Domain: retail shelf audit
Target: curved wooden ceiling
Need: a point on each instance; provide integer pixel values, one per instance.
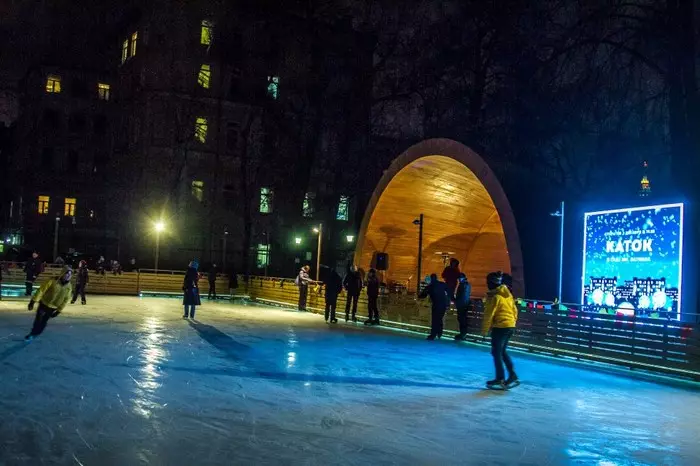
(459, 217)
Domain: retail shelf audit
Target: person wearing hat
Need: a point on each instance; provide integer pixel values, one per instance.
(500, 317)
(52, 297)
(81, 281)
(190, 287)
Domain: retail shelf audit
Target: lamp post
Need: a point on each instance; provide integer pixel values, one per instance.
(319, 230)
(560, 213)
(223, 262)
(419, 222)
(55, 238)
(159, 226)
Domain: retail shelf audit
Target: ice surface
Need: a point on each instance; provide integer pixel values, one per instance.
(127, 381)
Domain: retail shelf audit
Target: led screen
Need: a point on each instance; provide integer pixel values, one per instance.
(632, 261)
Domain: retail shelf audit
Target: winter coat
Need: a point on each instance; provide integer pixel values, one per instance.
(303, 278)
(372, 286)
(334, 286)
(500, 310)
(233, 281)
(451, 277)
(32, 269)
(212, 275)
(191, 288)
(353, 283)
(54, 294)
(82, 277)
(463, 295)
(439, 295)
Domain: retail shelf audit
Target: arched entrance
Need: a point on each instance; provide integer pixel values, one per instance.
(465, 212)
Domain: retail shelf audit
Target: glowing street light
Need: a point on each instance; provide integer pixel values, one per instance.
(159, 227)
(350, 238)
(297, 240)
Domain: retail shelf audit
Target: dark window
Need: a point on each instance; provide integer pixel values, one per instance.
(100, 125)
(47, 158)
(78, 88)
(229, 195)
(76, 122)
(73, 161)
(52, 118)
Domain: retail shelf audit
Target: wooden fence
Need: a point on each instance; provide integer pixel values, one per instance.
(657, 345)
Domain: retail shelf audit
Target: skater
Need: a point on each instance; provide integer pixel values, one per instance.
(100, 266)
(81, 281)
(451, 275)
(191, 290)
(440, 301)
(462, 302)
(232, 281)
(302, 281)
(334, 285)
(500, 317)
(32, 269)
(353, 285)
(211, 278)
(52, 297)
(372, 298)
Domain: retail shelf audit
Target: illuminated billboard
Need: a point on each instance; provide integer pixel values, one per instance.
(633, 261)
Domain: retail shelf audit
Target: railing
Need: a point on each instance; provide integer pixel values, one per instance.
(658, 345)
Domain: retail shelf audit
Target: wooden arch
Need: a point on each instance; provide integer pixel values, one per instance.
(465, 212)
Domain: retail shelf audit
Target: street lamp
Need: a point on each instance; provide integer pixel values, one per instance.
(55, 237)
(319, 231)
(419, 223)
(225, 244)
(297, 240)
(350, 238)
(560, 213)
(159, 226)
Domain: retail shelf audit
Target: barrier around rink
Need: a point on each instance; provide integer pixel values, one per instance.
(656, 345)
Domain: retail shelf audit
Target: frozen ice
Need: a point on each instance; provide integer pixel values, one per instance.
(128, 381)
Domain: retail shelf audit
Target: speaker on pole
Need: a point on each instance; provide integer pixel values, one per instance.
(382, 261)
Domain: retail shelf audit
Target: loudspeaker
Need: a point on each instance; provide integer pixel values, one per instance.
(382, 261)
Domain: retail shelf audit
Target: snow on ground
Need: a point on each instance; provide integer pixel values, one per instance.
(127, 381)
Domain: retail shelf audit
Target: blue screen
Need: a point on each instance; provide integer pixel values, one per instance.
(632, 261)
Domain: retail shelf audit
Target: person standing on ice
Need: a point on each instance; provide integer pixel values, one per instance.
(190, 287)
(52, 297)
(302, 281)
(372, 298)
(334, 285)
(451, 275)
(32, 270)
(81, 282)
(440, 298)
(500, 318)
(462, 301)
(353, 285)
(211, 278)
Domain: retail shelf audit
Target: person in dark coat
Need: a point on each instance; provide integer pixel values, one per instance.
(232, 281)
(334, 285)
(190, 287)
(211, 278)
(353, 285)
(302, 281)
(451, 275)
(81, 280)
(32, 269)
(372, 298)
(462, 302)
(440, 301)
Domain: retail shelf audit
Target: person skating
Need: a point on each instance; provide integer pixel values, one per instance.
(52, 297)
(211, 278)
(440, 300)
(451, 276)
(32, 269)
(500, 318)
(302, 281)
(353, 285)
(372, 298)
(462, 302)
(81, 280)
(232, 281)
(334, 285)
(190, 287)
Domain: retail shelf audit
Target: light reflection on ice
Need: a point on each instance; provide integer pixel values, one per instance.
(152, 354)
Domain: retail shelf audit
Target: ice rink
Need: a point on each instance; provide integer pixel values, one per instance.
(128, 381)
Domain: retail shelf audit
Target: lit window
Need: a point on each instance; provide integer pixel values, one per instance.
(201, 127)
(198, 190)
(125, 50)
(103, 91)
(134, 39)
(266, 195)
(273, 85)
(53, 84)
(43, 205)
(204, 77)
(308, 205)
(207, 32)
(69, 207)
(263, 258)
(343, 208)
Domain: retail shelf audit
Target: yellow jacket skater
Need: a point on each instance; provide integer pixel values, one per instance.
(500, 318)
(52, 297)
